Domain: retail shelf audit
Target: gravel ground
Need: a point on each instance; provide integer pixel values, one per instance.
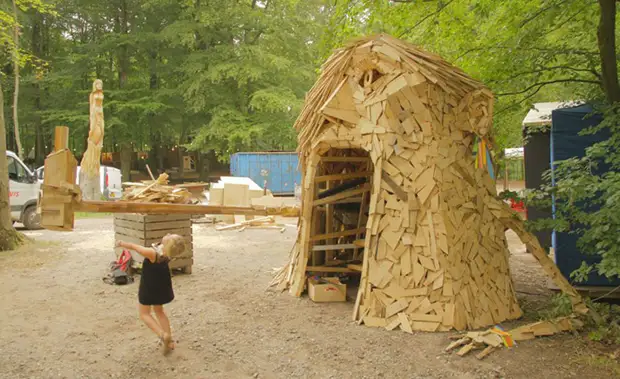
(59, 320)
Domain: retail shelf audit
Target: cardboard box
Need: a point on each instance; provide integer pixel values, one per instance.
(322, 292)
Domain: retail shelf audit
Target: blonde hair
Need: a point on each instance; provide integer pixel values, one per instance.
(174, 246)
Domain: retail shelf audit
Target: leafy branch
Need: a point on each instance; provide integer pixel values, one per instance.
(545, 69)
(539, 85)
(440, 8)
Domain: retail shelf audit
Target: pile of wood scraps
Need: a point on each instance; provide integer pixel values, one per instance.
(156, 191)
(496, 338)
(268, 222)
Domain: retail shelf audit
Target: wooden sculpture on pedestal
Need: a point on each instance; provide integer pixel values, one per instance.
(389, 179)
(89, 171)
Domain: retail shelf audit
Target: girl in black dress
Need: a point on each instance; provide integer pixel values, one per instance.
(156, 284)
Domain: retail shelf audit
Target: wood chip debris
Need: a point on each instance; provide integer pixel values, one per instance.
(495, 338)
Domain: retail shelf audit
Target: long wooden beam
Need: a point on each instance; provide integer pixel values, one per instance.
(161, 208)
(333, 247)
(345, 159)
(325, 178)
(341, 195)
(329, 269)
(344, 233)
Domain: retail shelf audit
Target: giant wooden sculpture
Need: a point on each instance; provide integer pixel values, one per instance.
(89, 172)
(391, 128)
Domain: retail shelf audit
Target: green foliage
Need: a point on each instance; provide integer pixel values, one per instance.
(173, 72)
(526, 51)
(588, 199)
(608, 330)
(560, 306)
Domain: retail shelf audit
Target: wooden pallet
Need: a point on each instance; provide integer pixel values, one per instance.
(145, 230)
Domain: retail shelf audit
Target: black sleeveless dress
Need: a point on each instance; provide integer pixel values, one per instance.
(155, 283)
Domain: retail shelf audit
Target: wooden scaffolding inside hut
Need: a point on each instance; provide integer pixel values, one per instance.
(390, 189)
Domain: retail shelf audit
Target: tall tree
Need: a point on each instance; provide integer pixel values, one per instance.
(16, 64)
(9, 237)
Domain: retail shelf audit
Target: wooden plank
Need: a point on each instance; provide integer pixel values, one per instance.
(151, 218)
(140, 234)
(345, 233)
(342, 195)
(185, 232)
(161, 208)
(153, 226)
(354, 175)
(333, 247)
(355, 267)
(248, 222)
(329, 269)
(398, 190)
(344, 159)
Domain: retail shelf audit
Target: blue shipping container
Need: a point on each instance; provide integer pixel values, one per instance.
(279, 169)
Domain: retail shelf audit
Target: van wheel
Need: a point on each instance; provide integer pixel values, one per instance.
(31, 219)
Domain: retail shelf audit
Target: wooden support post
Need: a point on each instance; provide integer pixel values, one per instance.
(61, 138)
(60, 170)
(329, 218)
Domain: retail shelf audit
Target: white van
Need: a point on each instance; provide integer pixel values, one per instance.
(109, 180)
(23, 192)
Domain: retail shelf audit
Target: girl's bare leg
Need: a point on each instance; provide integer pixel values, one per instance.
(145, 316)
(165, 324)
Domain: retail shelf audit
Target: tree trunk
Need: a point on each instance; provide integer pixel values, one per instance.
(18, 142)
(607, 49)
(123, 68)
(9, 238)
(202, 166)
(37, 50)
(181, 163)
(126, 151)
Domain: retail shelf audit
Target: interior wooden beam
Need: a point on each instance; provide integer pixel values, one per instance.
(355, 267)
(342, 187)
(342, 195)
(333, 247)
(344, 233)
(325, 178)
(329, 269)
(345, 159)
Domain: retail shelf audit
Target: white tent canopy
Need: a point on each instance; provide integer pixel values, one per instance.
(516, 152)
(540, 114)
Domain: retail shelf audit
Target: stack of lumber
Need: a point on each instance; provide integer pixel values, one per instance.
(493, 339)
(234, 191)
(435, 256)
(156, 191)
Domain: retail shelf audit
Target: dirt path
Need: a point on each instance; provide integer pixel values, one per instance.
(58, 319)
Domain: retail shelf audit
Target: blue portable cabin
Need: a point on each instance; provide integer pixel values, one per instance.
(566, 142)
(279, 169)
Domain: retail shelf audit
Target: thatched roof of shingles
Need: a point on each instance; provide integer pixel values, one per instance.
(365, 53)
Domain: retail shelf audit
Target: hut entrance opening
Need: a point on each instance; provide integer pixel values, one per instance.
(339, 215)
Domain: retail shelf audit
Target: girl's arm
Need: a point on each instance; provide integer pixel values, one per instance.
(146, 252)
